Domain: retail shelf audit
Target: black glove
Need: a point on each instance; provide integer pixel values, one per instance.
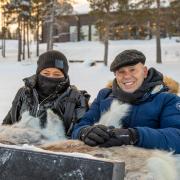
(121, 137)
(94, 135)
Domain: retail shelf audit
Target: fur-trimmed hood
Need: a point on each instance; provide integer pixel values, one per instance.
(174, 86)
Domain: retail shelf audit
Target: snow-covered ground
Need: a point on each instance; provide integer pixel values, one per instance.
(84, 77)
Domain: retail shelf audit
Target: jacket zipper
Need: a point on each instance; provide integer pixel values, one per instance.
(37, 110)
(39, 104)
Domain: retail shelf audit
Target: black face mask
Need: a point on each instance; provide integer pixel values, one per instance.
(47, 86)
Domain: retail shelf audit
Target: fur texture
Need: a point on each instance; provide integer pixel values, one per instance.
(29, 131)
(173, 85)
(140, 164)
(116, 112)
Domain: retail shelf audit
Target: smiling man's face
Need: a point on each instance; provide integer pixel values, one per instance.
(130, 78)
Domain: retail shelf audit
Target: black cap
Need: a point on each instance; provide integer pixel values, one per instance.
(52, 59)
(126, 58)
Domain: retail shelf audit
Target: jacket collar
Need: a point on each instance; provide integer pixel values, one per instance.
(30, 82)
(155, 91)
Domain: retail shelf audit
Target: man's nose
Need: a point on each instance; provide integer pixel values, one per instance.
(127, 74)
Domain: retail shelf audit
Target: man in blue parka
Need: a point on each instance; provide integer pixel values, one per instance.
(154, 118)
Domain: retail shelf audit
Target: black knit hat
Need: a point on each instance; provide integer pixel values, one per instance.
(127, 57)
(52, 59)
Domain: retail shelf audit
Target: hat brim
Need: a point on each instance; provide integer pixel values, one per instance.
(129, 63)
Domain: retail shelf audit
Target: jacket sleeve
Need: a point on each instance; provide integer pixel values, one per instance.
(89, 118)
(82, 105)
(13, 114)
(7, 119)
(167, 137)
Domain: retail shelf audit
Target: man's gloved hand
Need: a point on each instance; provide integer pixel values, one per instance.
(94, 135)
(120, 136)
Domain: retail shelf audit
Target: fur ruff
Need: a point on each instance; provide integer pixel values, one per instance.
(174, 86)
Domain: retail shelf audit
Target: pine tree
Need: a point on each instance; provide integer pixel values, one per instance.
(107, 13)
(175, 17)
(30, 15)
(19, 12)
(152, 8)
(4, 27)
(36, 21)
(51, 10)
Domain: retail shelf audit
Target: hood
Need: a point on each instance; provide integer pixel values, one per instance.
(173, 85)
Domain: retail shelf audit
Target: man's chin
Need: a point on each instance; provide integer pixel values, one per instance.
(129, 90)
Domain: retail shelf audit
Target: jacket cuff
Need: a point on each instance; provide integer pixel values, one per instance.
(134, 136)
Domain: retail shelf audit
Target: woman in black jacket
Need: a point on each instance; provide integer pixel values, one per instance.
(49, 88)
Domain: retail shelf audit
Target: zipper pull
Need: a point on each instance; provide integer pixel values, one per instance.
(37, 110)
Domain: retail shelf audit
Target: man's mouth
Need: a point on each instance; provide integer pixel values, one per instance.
(128, 83)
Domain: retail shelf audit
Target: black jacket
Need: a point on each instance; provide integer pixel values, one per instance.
(27, 99)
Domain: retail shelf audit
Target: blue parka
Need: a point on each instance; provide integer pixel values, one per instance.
(156, 118)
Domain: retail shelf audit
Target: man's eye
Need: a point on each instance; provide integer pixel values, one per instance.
(120, 72)
(132, 70)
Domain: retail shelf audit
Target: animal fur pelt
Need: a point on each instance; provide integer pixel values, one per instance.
(140, 164)
(29, 131)
(116, 112)
(173, 85)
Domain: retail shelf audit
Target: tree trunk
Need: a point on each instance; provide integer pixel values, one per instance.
(3, 37)
(4, 47)
(19, 40)
(51, 28)
(90, 33)
(158, 40)
(106, 47)
(78, 29)
(37, 32)
(37, 36)
(4, 43)
(158, 49)
(28, 48)
(24, 39)
(106, 44)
